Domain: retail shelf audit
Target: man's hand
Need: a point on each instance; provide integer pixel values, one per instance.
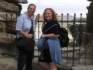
(30, 35)
(26, 34)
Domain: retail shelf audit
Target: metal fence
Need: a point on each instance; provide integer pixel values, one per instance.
(76, 52)
(73, 54)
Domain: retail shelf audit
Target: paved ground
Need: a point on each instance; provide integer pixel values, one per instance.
(8, 63)
(83, 67)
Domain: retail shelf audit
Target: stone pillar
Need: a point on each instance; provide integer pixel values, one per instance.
(90, 18)
(89, 35)
(22, 1)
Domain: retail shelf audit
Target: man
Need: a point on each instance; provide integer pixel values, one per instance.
(24, 28)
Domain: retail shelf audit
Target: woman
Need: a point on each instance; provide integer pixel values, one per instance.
(51, 54)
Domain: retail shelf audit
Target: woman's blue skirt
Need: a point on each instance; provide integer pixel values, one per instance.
(55, 51)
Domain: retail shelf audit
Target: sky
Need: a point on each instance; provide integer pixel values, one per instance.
(60, 6)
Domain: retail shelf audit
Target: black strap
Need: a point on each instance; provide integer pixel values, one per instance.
(31, 29)
(50, 27)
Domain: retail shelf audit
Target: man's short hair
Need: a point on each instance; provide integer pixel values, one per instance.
(31, 5)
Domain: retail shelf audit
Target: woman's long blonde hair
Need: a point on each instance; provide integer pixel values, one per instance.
(54, 17)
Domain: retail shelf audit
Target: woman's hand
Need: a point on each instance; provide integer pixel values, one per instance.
(43, 35)
(52, 35)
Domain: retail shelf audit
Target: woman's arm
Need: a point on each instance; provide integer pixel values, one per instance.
(52, 35)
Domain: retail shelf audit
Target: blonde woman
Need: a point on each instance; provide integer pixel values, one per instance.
(51, 54)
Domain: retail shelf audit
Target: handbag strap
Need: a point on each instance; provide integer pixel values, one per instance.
(50, 27)
(31, 29)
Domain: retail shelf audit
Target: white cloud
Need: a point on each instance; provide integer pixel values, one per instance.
(61, 6)
(58, 2)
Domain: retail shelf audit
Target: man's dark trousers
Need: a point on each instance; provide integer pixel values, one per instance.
(25, 56)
